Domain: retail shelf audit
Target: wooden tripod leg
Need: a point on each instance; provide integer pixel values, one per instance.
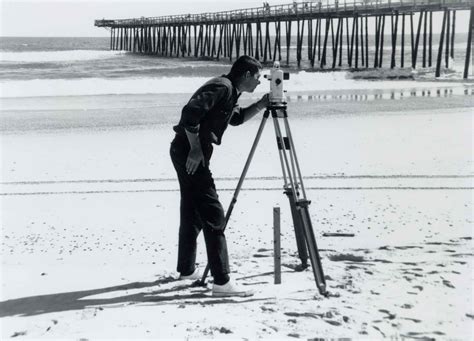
(312, 247)
(299, 206)
(299, 233)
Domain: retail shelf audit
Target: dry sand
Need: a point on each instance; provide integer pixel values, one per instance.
(90, 216)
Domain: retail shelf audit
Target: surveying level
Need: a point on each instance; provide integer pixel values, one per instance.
(276, 78)
(293, 188)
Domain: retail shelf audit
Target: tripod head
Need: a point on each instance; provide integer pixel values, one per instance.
(276, 78)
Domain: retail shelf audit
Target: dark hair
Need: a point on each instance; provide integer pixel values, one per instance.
(244, 64)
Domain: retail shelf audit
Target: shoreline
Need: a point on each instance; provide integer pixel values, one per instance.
(143, 111)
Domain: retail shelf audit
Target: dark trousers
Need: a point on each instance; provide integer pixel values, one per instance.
(200, 210)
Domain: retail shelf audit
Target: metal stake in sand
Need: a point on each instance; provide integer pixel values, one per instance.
(276, 245)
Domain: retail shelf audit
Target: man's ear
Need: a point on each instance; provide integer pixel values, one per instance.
(247, 74)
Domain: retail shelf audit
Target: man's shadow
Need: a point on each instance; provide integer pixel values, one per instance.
(44, 304)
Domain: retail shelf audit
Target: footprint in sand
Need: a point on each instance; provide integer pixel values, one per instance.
(295, 335)
(295, 314)
(271, 310)
(257, 255)
(411, 319)
(346, 257)
(461, 255)
(332, 322)
(16, 334)
(441, 243)
(389, 315)
(448, 283)
(422, 335)
(407, 247)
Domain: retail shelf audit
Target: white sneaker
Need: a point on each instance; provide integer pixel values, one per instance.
(194, 276)
(230, 289)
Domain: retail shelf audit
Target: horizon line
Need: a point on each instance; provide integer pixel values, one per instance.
(1, 36)
(108, 36)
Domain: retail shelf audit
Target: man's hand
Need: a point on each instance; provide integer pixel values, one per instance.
(256, 107)
(195, 155)
(195, 158)
(264, 101)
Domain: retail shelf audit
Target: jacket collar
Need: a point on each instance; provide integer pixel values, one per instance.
(235, 92)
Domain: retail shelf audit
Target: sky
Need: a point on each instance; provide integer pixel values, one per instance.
(75, 18)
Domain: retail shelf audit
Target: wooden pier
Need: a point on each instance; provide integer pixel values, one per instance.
(335, 35)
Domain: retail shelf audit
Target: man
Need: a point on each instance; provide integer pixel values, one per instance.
(203, 121)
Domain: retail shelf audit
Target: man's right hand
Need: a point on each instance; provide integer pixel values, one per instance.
(195, 158)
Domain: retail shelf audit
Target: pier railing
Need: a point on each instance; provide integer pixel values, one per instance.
(289, 11)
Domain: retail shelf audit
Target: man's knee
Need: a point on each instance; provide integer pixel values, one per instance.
(216, 221)
(211, 211)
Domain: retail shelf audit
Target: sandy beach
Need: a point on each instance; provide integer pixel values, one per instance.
(90, 212)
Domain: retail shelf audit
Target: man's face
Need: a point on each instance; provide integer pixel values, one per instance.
(250, 82)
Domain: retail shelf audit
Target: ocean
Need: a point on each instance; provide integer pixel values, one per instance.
(32, 67)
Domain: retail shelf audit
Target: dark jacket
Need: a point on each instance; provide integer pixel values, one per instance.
(210, 110)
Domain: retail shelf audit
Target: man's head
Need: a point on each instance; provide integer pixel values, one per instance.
(245, 73)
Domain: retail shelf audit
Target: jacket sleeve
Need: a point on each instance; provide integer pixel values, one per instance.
(237, 116)
(206, 98)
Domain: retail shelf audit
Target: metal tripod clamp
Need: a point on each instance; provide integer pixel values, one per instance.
(275, 108)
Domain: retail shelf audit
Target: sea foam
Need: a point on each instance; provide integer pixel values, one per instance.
(58, 56)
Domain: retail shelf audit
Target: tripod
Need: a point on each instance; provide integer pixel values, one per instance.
(293, 188)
